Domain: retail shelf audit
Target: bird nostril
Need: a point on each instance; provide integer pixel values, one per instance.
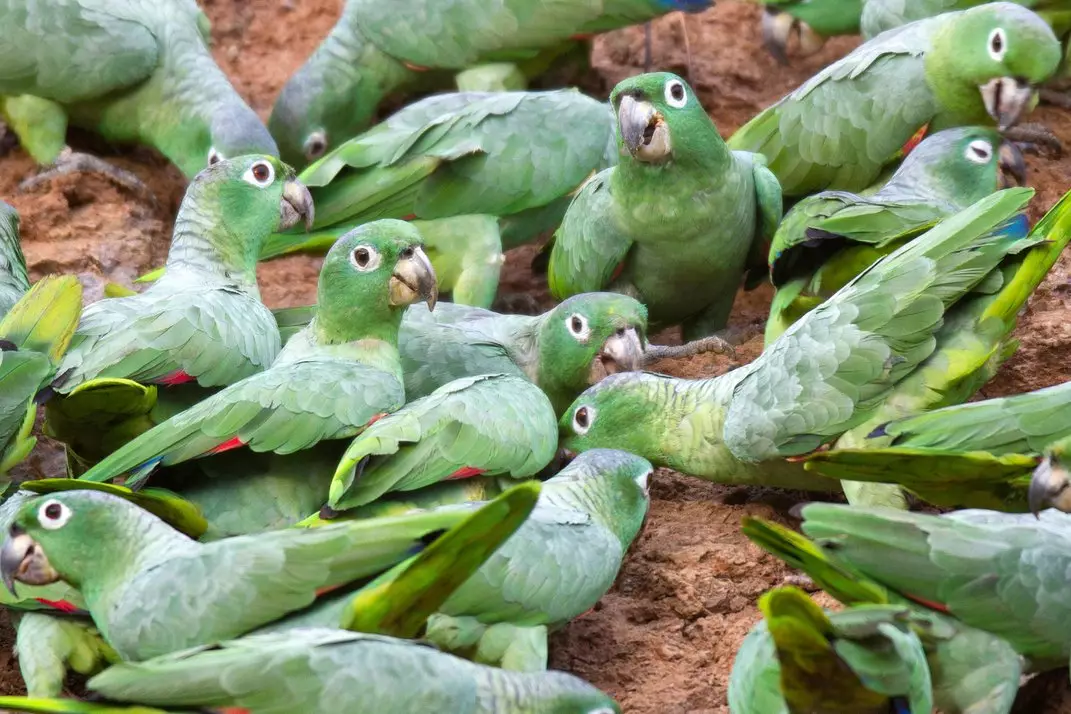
(620, 332)
(407, 253)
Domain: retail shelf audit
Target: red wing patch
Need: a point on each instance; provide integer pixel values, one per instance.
(410, 217)
(928, 603)
(617, 271)
(61, 605)
(234, 443)
(176, 377)
(415, 67)
(915, 140)
(465, 472)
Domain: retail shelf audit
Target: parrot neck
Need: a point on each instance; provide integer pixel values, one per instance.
(959, 102)
(599, 498)
(206, 245)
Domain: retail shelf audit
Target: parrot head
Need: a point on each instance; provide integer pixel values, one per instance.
(234, 130)
(659, 118)
(370, 276)
(999, 50)
(588, 337)
(60, 536)
(245, 200)
(313, 116)
(613, 485)
(624, 411)
(966, 162)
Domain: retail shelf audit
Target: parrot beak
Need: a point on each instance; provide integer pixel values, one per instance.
(810, 41)
(644, 482)
(413, 279)
(1005, 99)
(1012, 165)
(777, 27)
(296, 204)
(622, 352)
(1049, 486)
(22, 559)
(643, 130)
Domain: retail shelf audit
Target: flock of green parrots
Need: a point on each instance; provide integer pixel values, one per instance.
(348, 507)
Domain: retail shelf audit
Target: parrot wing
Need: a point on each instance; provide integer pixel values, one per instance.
(493, 424)
(589, 249)
(843, 125)
(837, 365)
(48, 645)
(90, 53)
(287, 408)
(13, 279)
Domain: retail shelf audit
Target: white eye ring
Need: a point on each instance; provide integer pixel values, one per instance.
(676, 94)
(583, 418)
(261, 174)
(365, 258)
(578, 327)
(997, 44)
(53, 515)
(979, 151)
(214, 157)
(643, 480)
(315, 145)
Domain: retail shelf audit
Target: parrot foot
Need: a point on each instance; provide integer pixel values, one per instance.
(72, 162)
(329, 514)
(803, 582)
(1036, 139)
(517, 304)
(1056, 97)
(723, 343)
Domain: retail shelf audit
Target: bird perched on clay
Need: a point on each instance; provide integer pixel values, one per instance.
(127, 70)
(844, 125)
(829, 238)
(375, 49)
(674, 223)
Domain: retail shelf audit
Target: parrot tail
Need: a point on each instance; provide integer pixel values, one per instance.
(838, 579)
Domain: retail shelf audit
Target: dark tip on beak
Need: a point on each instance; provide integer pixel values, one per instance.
(1048, 483)
(296, 206)
(1012, 164)
(12, 554)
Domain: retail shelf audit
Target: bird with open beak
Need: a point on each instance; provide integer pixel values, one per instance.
(338, 374)
(674, 222)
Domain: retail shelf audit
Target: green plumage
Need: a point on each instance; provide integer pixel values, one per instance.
(375, 49)
(329, 381)
(492, 424)
(128, 70)
(473, 168)
(674, 222)
(13, 279)
(841, 127)
(831, 372)
(829, 238)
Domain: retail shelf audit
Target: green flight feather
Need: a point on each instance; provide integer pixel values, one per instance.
(38, 705)
(13, 279)
(493, 424)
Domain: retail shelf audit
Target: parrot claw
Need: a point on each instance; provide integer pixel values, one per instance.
(72, 162)
(723, 343)
(329, 514)
(1035, 138)
(1056, 97)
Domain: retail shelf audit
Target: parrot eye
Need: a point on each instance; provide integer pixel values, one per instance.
(315, 145)
(583, 418)
(365, 258)
(675, 94)
(52, 514)
(214, 157)
(259, 174)
(979, 151)
(998, 44)
(578, 327)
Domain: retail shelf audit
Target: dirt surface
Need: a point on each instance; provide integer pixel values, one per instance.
(663, 640)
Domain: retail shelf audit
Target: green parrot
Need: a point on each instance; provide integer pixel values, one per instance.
(877, 16)
(13, 279)
(330, 381)
(327, 671)
(564, 351)
(813, 21)
(844, 125)
(128, 70)
(650, 226)
(34, 334)
(152, 589)
(552, 570)
(982, 455)
(997, 572)
(885, 659)
(451, 162)
(829, 238)
(492, 423)
(848, 361)
(375, 49)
